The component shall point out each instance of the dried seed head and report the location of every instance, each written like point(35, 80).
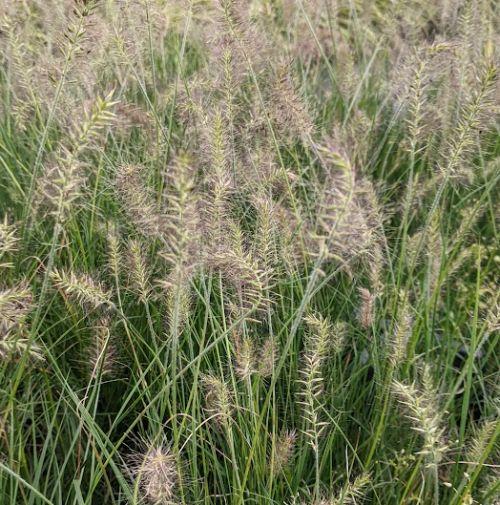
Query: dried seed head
point(312, 380)
point(218, 398)
point(482, 436)
point(475, 115)
point(139, 276)
point(402, 332)
point(267, 357)
point(244, 355)
point(366, 309)
point(8, 241)
point(114, 253)
point(129, 116)
point(319, 335)
point(83, 288)
point(434, 252)
point(181, 223)
point(344, 226)
point(424, 413)
point(376, 264)
point(288, 110)
point(102, 350)
point(328, 337)
point(178, 306)
point(12, 346)
point(15, 305)
point(266, 235)
point(60, 185)
point(353, 492)
point(138, 202)
point(245, 278)
point(157, 474)
point(283, 450)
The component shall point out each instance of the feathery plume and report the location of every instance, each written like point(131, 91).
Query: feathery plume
point(15, 346)
point(434, 252)
point(288, 110)
point(218, 399)
point(178, 303)
point(114, 252)
point(218, 182)
point(246, 279)
point(64, 176)
point(244, 355)
point(481, 438)
point(138, 201)
point(402, 332)
point(182, 248)
point(283, 450)
point(424, 413)
point(157, 475)
point(344, 227)
point(139, 276)
point(366, 309)
point(15, 305)
point(417, 109)
point(83, 288)
point(181, 241)
point(474, 115)
point(8, 241)
point(267, 357)
point(353, 493)
point(266, 237)
point(311, 379)
point(102, 351)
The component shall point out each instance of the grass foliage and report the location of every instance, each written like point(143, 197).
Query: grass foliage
point(249, 252)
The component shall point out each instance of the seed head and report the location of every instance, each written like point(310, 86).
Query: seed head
point(8, 241)
point(244, 355)
point(218, 398)
point(83, 288)
point(284, 448)
point(102, 350)
point(157, 474)
point(365, 315)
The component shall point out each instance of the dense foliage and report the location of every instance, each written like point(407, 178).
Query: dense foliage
point(249, 252)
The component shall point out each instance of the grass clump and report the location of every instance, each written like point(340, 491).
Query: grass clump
point(249, 252)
